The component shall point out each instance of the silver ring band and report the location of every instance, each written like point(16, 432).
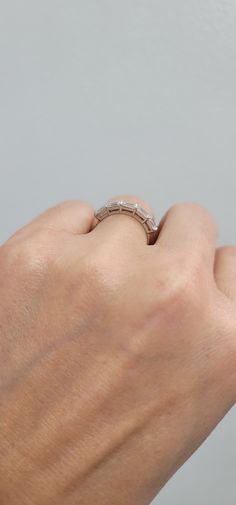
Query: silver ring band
point(134, 210)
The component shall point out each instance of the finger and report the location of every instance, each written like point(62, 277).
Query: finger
point(225, 270)
point(189, 229)
point(123, 227)
point(73, 216)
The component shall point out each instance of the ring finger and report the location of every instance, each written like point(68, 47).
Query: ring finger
point(123, 228)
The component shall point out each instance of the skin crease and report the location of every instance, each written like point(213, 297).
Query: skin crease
point(117, 358)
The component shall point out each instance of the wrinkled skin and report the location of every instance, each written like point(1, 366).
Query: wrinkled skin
point(117, 358)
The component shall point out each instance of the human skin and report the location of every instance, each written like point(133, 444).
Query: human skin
point(117, 358)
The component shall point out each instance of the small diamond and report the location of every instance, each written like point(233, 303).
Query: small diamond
point(113, 207)
point(143, 213)
point(153, 224)
point(128, 205)
point(101, 213)
point(112, 204)
point(99, 210)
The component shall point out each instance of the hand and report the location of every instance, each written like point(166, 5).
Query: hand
point(117, 358)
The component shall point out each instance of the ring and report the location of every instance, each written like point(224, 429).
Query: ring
point(134, 210)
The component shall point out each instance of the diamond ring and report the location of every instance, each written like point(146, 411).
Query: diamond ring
point(134, 210)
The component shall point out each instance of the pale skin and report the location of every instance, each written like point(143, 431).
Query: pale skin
point(117, 358)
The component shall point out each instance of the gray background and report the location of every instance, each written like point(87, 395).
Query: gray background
point(99, 97)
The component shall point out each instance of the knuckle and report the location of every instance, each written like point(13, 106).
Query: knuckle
point(181, 292)
point(195, 208)
point(32, 254)
point(228, 251)
point(103, 277)
point(95, 269)
point(190, 206)
point(86, 211)
point(80, 205)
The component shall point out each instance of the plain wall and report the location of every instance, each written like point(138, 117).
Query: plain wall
point(99, 97)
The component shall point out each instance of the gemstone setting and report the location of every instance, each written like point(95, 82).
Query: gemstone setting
point(132, 209)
